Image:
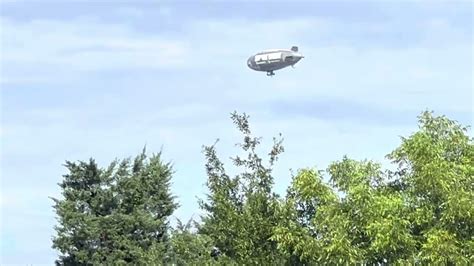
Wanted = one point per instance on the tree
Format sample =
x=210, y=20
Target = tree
x=188, y=247
x=422, y=212
x=113, y=215
x=241, y=210
x=436, y=168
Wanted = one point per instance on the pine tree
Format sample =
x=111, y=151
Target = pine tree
x=113, y=215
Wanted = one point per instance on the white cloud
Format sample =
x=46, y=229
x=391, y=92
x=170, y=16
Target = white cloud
x=425, y=73
x=84, y=45
x=399, y=79
x=392, y=77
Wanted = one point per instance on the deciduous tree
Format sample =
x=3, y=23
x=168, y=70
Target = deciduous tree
x=241, y=210
x=422, y=212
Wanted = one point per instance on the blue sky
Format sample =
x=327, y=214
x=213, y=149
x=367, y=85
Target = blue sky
x=102, y=79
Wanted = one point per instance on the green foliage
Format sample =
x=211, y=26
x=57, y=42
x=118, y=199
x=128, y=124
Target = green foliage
x=422, y=212
x=437, y=166
x=190, y=247
x=186, y=247
x=241, y=210
x=114, y=215
x=354, y=212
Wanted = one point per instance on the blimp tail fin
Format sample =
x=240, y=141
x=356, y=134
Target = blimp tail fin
x=294, y=48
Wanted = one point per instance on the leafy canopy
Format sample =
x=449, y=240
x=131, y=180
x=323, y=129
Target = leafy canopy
x=241, y=210
x=422, y=212
x=353, y=212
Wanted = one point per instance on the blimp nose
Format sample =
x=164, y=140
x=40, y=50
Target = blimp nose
x=251, y=63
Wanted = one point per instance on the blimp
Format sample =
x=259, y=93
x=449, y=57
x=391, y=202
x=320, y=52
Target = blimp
x=274, y=59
